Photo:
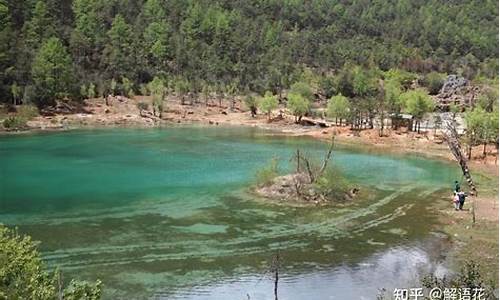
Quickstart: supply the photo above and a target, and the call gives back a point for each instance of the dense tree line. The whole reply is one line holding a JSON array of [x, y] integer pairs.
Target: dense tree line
[[50, 48]]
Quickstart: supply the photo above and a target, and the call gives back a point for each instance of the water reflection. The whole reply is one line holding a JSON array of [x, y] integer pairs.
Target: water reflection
[[397, 267]]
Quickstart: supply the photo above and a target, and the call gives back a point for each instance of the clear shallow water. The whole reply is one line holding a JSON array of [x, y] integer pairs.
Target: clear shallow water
[[164, 213]]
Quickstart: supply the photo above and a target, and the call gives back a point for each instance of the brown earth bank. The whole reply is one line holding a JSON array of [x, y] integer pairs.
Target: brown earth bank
[[120, 111]]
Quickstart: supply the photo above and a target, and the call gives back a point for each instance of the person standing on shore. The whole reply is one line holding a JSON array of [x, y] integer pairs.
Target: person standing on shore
[[456, 201], [461, 200]]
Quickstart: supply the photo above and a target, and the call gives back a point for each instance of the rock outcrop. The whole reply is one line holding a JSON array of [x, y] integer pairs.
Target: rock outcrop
[[458, 91], [453, 84]]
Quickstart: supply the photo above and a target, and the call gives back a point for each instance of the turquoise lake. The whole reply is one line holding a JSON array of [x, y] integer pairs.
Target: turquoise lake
[[165, 213]]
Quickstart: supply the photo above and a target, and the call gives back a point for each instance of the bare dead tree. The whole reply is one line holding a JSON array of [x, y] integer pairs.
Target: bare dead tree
[[298, 161], [312, 174], [309, 170], [298, 187], [275, 268], [327, 157]]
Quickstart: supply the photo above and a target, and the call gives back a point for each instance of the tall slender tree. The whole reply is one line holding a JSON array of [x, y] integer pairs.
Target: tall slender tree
[[52, 71]]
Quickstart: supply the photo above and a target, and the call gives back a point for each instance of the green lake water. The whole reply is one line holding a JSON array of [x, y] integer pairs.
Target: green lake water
[[164, 214]]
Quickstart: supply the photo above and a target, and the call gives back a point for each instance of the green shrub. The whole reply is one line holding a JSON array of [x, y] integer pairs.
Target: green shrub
[[143, 89], [91, 93], [434, 82], [303, 89], [268, 103], [127, 87], [328, 85], [332, 184], [251, 104], [83, 91], [265, 175], [298, 106], [23, 115], [14, 122], [469, 277], [23, 274]]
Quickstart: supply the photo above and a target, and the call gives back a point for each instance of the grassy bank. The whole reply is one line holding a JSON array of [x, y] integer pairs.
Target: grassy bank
[[477, 241]]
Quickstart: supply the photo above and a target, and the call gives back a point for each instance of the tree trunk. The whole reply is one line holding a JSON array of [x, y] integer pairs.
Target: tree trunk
[[453, 141], [276, 278], [298, 160], [381, 133], [496, 156], [327, 157]]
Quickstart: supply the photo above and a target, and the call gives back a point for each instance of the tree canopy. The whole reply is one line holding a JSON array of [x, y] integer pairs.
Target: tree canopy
[[268, 103], [257, 45], [298, 105], [52, 70], [338, 107]]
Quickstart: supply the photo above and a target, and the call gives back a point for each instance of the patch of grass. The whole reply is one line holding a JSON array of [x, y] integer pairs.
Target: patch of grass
[[14, 122], [473, 242], [19, 120], [27, 112], [332, 184], [265, 175], [486, 184]]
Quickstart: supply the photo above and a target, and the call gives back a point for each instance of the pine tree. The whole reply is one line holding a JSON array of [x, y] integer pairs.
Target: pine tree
[[52, 71], [119, 54], [40, 27], [6, 49], [88, 37]]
